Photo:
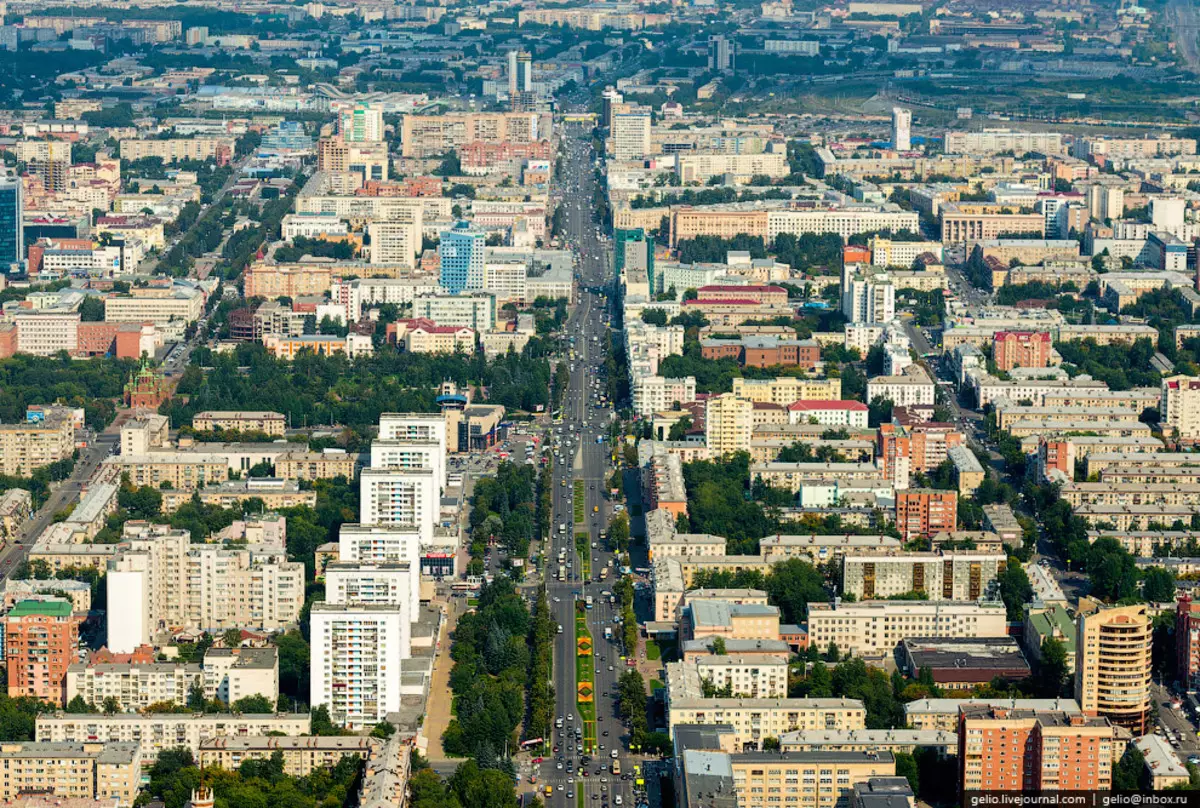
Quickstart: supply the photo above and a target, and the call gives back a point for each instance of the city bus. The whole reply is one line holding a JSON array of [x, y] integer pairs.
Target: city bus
[[562, 572]]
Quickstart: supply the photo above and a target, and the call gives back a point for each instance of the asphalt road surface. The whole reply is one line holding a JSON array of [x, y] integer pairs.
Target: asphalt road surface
[[581, 457]]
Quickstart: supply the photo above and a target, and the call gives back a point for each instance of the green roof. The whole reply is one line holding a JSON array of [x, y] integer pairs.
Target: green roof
[[51, 608], [1044, 623]]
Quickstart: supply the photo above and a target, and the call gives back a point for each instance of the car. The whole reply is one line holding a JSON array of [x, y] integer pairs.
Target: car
[[571, 781], [605, 733], [570, 795], [559, 766], [560, 788]]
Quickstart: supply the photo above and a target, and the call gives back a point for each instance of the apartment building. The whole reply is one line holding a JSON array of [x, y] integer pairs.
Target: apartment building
[[985, 221], [133, 686], [895, 741], [157, 732], [764, 352], [400, 496], [830, 413], [753, 720], [820, 549], [368, 545], [269, 423], [301, 755], [159, 578], [26, 447], [652, 394], [926, 511], [368, 160], [1187, 640], [172, 150], [868, 296], [793, 476], [630, 132], [396, 242], [955, 575], [271, 281], [76, 771], [1113, 665], [784, 390], [911, 387], [396, 584], [155, 305], [45, 333], [289, 348], [1180, 407], [1021, 349], [356, 659], [315, 465], [186, 471], [16, 505], [753, 676], [996, 141], [1027, 750], [476, 310], [874, 628], [1100, 149], [434, 135], [719, 618], [729, 424], [40, 642], [700, 168], [943, 714]]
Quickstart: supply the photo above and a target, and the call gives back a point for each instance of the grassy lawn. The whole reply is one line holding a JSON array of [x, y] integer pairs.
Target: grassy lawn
[[579, 799], [578, 501], [653, 651], [655, 685], [585, 555], [585, 671]]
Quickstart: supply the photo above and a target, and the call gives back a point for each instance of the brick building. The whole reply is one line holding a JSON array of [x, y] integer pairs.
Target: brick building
[[40, 638], [925, 512], [1021, 349]]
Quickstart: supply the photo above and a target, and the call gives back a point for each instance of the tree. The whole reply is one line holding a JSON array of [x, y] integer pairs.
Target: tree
[[1129, 771], [91, 310], [111, 705], [232, 638], [618, 532], [79, 705], [906, 766], [1015, 589], [718, 646], [1053, 670], [1158, 585], [680, 428], [879, 411], [770, 744], [257, 703]]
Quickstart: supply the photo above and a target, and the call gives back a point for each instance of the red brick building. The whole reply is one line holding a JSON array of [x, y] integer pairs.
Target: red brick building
[[40, 638], [1001, 749], [926, 512], [1021, 349], [764, 352], [1187, 641]]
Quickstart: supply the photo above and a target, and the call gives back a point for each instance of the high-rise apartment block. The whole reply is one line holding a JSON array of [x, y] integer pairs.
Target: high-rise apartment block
[[1180, 407], [1021, 349], [1113, 664], [361, 123], [40, 639], [631, 133], [398, 496], [901, 129], [1003, 749], [728, 424], [356, 653]]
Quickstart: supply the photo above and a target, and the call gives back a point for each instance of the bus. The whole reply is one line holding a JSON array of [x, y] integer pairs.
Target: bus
[[562, 572], [532, 742], [464, 587]]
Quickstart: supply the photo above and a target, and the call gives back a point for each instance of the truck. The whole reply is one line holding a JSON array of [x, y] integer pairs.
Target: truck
[[588, 601], [608, 632]]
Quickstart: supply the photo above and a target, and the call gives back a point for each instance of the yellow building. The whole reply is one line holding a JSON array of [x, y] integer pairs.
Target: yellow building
[[784, 390], [315, 466], [175, 149], [985, 221], [28, 446], [301, 754], [178, 470], [269, 423], [1112, 665], [287, 280], [729, 424], [88, 771]]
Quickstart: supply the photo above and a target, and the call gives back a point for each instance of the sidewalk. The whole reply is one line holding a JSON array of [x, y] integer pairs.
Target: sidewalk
[[437, 709]]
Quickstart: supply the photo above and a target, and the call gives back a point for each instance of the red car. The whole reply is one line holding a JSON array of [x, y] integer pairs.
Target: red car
[[537, 760]]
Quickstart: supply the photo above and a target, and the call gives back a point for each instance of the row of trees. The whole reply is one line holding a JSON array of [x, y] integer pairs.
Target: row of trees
[[504, 508], [334, 389], [623, 590], [541, 689], [492, 658]]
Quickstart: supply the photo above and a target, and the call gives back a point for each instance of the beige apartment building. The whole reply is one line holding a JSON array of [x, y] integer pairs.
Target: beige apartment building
[[804, 779], [153, 305], [288, 280], [25, 447], [700, 168], [728, 424], [270, 423], [433, 135], [949, 576], [178, 470], [819, 549], [942, 714], [157, 732], [45, 333], [1113, 665], [875, 628], [84, 771], [133, 686], [755, 719], [301, 755], [315, 466], [986, 221], [784, 390], [791, 476], [172, 150]]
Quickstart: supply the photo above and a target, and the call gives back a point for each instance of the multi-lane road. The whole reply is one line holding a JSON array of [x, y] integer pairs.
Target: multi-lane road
[[582, 458]]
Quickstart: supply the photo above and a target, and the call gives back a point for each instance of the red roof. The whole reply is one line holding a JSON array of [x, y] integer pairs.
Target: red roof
[[1039, 335], [732, 301], [813, 404]]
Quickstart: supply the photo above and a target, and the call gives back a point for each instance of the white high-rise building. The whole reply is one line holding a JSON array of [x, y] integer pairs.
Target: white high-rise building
[[868, 296], [901, 129], [356, 661], [631, 134], [400, 497], [361, 123], [411, 454], [376, 585], [384, 545]]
